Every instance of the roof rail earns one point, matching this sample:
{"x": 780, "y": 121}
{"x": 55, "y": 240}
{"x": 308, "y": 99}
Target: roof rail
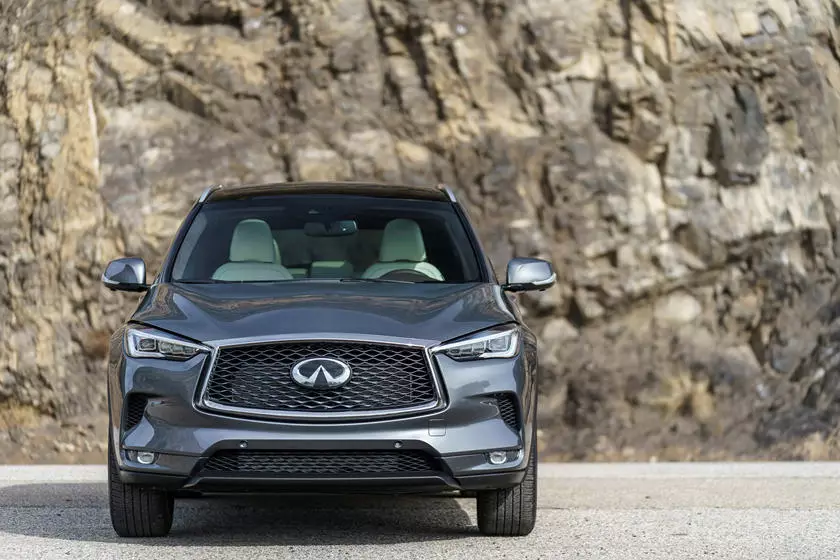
{"x": 208, "y": 191}
{"x": 445, "y": 188}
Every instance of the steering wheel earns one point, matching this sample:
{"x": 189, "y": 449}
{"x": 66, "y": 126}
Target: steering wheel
{"x": 407, "y": 275}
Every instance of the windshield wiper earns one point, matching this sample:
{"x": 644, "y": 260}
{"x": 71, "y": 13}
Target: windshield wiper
{"x": 212, "y": 281}
{"x": 375, "y": 280}
{"x": 380, "y": 280}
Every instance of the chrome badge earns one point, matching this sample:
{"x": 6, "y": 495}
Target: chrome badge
{"x": 321, "y": 373}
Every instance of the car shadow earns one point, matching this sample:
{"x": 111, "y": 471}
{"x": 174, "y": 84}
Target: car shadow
{"x": 79, "y": 512}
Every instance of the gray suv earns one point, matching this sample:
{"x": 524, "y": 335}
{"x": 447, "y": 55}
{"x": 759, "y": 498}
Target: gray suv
{"x": 323, "y": 337}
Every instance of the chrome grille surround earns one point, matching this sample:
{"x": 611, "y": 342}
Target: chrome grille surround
{"x": 203, "y": 401}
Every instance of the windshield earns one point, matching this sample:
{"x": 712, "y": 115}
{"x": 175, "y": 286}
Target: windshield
{"x": 343, "y": 238}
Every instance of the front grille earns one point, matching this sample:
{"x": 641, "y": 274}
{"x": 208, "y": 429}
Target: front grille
{"x": 258, "y": 377}
{"x": 508, "y": 409}
{"x": 319, "y": 462}
{"x": 135, "y": 407}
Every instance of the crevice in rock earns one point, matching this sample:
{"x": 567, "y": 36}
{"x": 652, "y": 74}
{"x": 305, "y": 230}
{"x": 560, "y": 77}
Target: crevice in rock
{"x": 288, "y": 13}
{"x": 190, "y": 13}
{"x": 627, "y": 14}
{"x": 452, "y": 60}
{"x": 516, "y": 45}
{"x": 407, "y": 33}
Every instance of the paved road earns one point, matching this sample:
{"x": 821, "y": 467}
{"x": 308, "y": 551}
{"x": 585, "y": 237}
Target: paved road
{"x": 603, "y": 511}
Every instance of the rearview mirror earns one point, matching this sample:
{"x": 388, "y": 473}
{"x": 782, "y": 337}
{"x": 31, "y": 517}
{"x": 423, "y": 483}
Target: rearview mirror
{"x": 126, "y": 275}
{"x": 330, "y": 229}
{"x": 525, "y": 274}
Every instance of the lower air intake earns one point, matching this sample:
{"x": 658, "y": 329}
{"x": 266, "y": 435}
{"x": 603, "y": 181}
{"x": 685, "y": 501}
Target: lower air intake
{"x": 320, "y": 462}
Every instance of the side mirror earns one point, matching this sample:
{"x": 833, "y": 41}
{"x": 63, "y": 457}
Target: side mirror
{"x": 126, "y": 275}
{"x": 524, "y": 275}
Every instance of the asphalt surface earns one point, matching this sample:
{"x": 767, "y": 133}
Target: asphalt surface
{"x": 600, "y": 511}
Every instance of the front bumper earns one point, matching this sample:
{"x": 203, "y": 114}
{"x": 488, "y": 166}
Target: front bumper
{"x": 458, "y": 437}
{"x": 368, "y": 484}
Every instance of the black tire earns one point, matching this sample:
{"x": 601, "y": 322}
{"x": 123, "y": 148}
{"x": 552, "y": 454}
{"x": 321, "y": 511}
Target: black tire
{"x": 510, "y": 512}
{"x": 137, "y": 511}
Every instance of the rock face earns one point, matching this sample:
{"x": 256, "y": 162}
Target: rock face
{"x": 677, "y": 160}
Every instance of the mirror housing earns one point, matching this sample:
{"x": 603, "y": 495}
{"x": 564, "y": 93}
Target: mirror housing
{"x": 126, "y": 275}
{"x": 525, "y": 274}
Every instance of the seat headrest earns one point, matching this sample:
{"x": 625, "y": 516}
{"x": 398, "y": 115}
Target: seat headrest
{"x": 252, "y": 241}
{"x": 402, "y": 241}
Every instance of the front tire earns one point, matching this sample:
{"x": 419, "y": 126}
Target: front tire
{"x": 510, "y": 512}
{"x": 137, "y": 511}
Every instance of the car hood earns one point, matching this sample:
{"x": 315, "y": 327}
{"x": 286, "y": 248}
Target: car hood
{"x": 423, "y": 313}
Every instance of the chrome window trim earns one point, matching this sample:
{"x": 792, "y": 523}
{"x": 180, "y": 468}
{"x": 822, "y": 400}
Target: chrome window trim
{"x": 449, "y": 192}
{"x": 202, "y": 403}
{"x": 207, "y": 192}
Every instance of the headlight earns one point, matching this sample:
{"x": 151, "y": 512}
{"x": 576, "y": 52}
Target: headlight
{"x": 149, "y": 343}
{"x": 496, "y": 343}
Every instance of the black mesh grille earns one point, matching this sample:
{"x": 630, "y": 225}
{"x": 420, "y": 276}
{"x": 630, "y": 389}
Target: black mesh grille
{"x": 135, "y": 406}
{"x": 319, "y": 462}
{"x": 259, "y": 377}
{"x": 508, "y": 409}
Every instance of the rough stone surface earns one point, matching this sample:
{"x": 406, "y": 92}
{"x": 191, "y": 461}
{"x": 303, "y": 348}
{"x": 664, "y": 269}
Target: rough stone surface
{"x": 677, "y": 161}
{"x": 677, "y": 308}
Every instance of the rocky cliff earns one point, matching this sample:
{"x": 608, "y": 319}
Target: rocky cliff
{"x": 676, "y": 159}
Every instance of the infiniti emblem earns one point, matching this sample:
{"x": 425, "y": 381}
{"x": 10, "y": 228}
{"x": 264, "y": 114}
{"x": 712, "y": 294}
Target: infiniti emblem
{"x": 321, "y": 373}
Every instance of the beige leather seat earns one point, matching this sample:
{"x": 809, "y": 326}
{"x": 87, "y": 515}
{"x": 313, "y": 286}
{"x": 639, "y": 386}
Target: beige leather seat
{"x": 252, "y": 255}
{"x": 402, "y": 248}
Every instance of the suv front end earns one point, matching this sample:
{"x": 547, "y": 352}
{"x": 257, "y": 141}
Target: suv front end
{"x": 341, "y": 384}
